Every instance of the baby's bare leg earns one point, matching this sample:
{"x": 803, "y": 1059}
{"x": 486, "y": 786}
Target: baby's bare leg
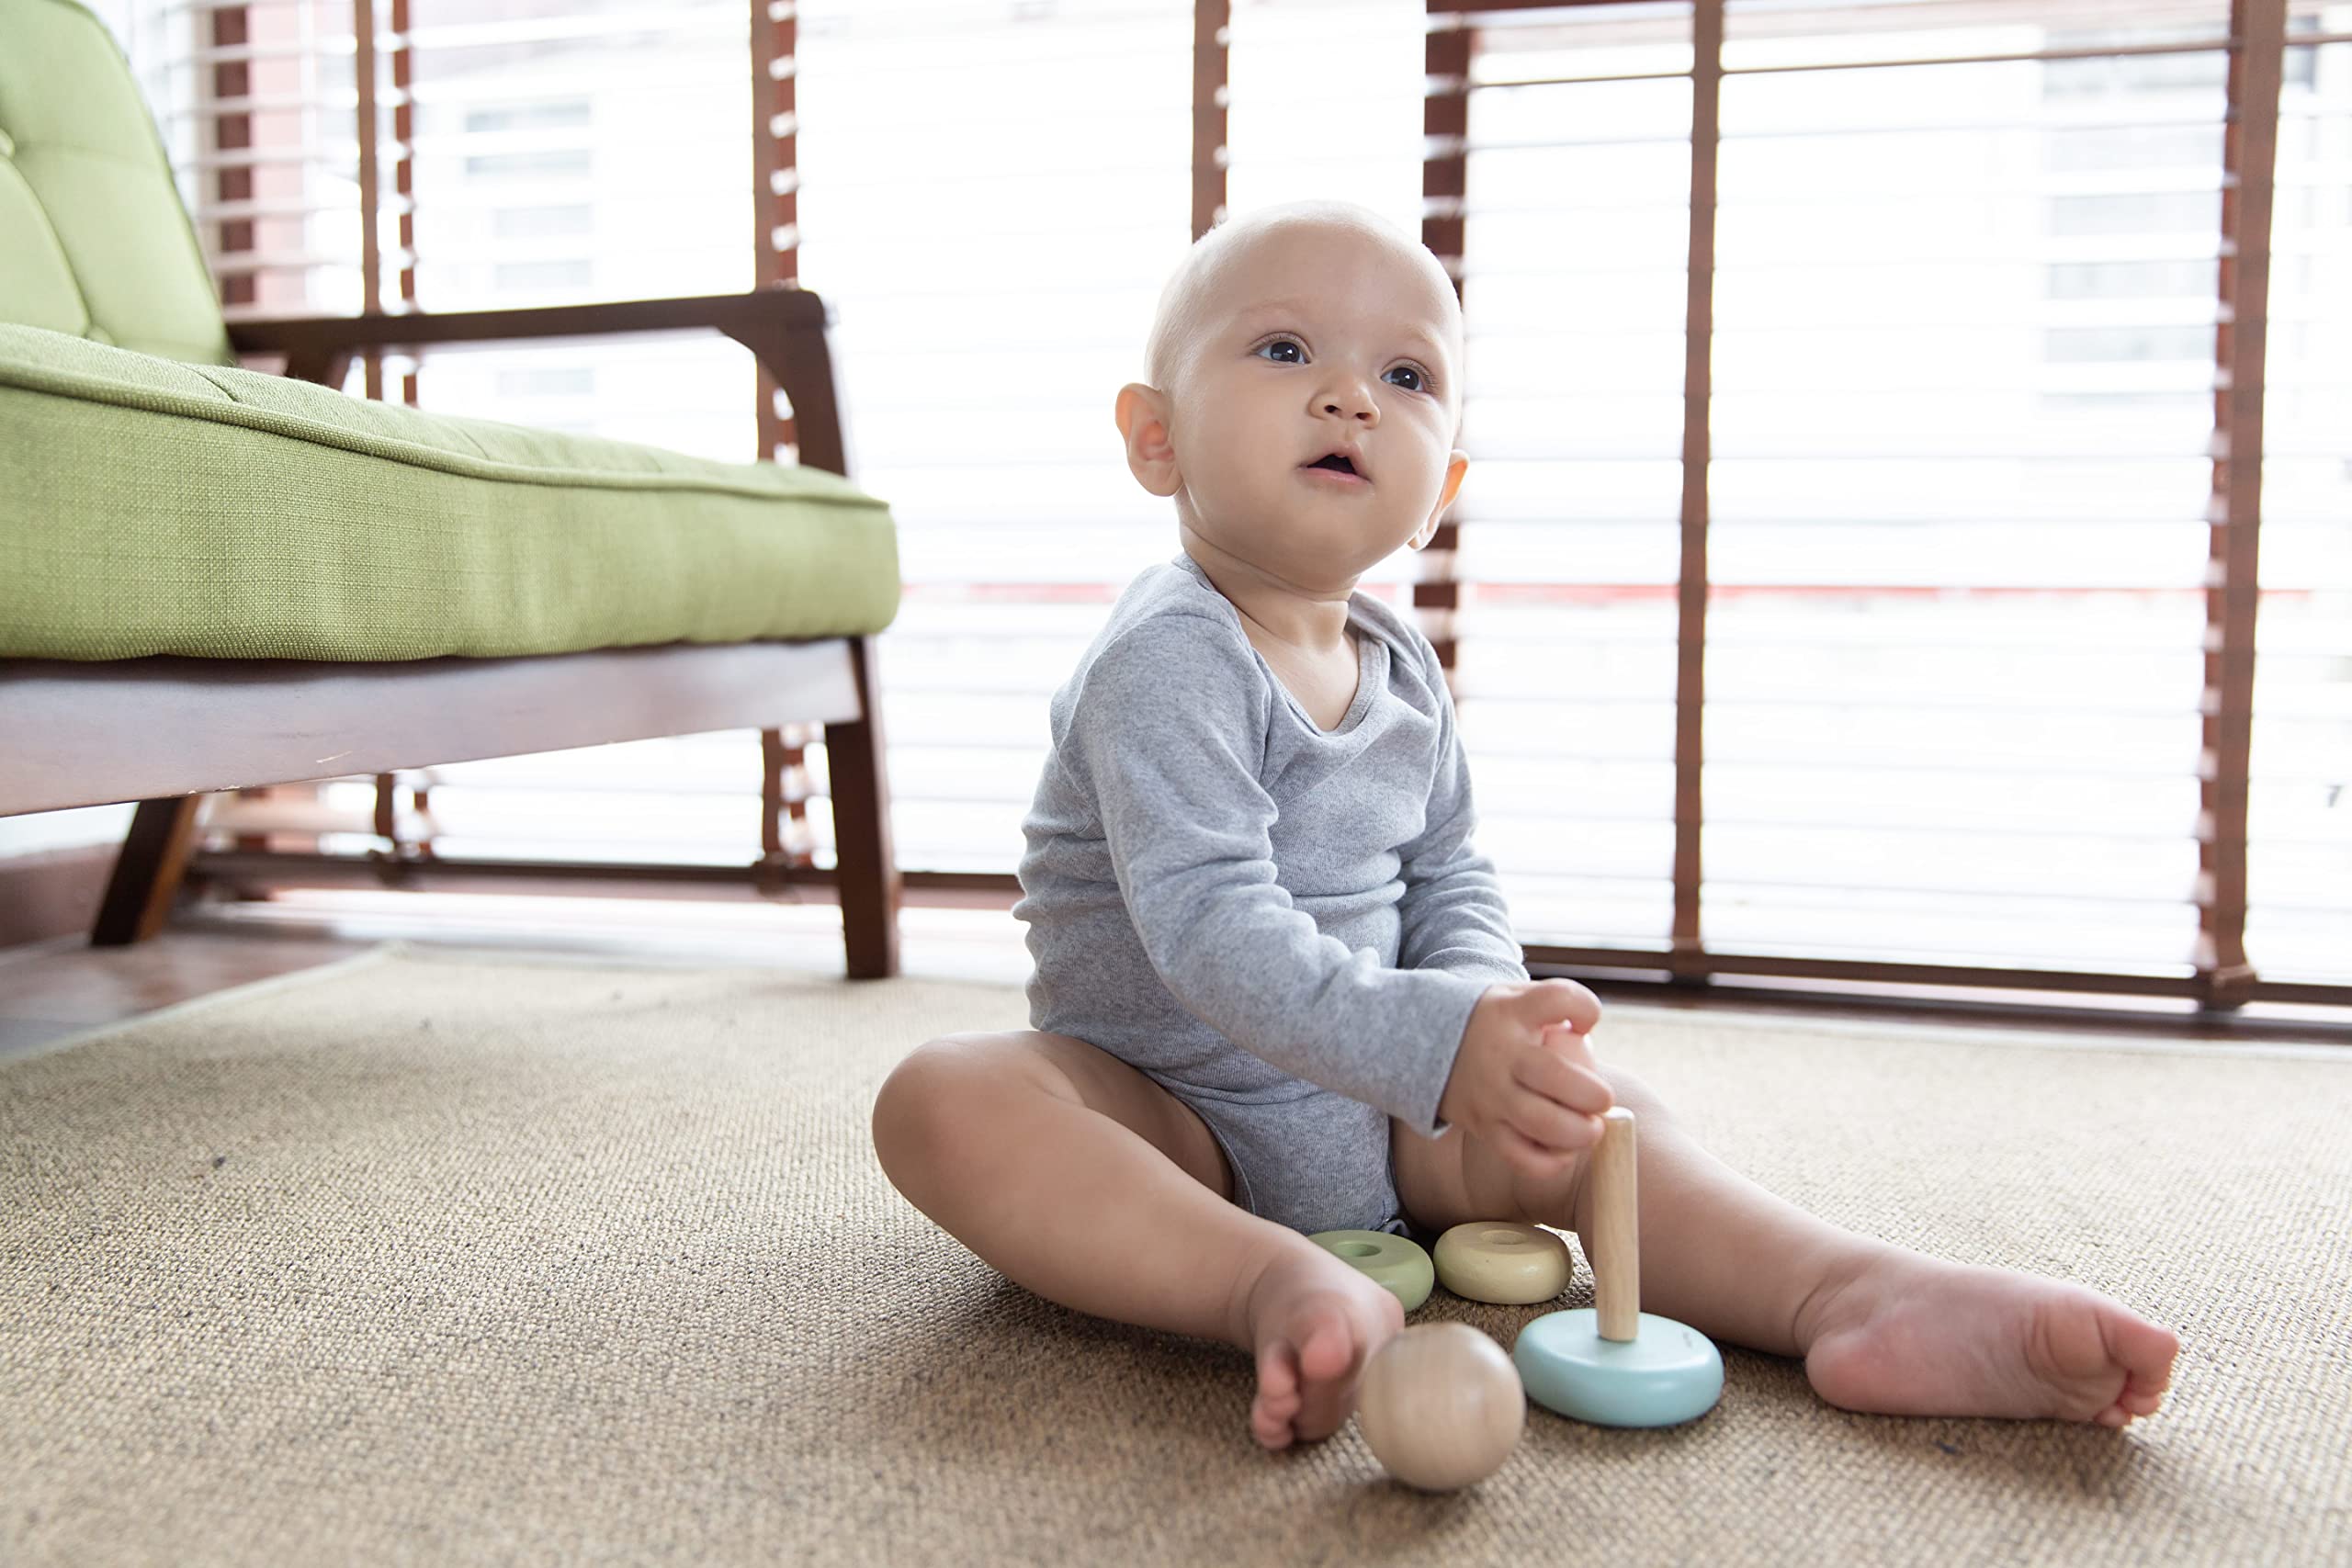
{"x": 1077, "y": 1177}
{"x": 1882, "y": 1328}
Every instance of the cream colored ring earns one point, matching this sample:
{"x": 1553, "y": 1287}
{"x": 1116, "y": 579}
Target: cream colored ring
{"x": 1502, "y": 1261}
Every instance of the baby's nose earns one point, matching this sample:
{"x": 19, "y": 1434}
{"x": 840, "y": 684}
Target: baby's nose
{"x": 1364, "y": 409}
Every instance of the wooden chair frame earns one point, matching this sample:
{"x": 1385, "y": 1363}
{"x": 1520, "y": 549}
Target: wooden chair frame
{"x": 167, "y": 731}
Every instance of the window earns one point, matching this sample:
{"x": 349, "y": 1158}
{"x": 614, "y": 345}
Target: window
{"x": 1956, "y": 411}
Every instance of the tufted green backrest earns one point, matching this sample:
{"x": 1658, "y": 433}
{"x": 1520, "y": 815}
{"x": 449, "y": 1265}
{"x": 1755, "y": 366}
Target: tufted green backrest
{"x": 92, "y": 239}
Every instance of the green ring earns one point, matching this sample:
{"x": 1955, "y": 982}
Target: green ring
{"x": 1395, "y": 1263}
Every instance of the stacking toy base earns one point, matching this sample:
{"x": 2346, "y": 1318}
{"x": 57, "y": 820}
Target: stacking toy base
{"x": 1667, "y": 1374}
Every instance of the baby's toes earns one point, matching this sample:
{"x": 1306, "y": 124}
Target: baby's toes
{"x": 1277, "y": 1372}
{"x": 1276, "y": 1406}
{"x": 1272, "y": 1430}
{"x": 1326, "y": 1365}
{"x": 2145, "y": 1352}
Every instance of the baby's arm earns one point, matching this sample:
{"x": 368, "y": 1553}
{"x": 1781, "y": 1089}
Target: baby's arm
{"x": 1167, "y": 735}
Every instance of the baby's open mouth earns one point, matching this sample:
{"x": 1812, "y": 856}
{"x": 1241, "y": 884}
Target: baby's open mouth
{"x": 1336, "y": 462}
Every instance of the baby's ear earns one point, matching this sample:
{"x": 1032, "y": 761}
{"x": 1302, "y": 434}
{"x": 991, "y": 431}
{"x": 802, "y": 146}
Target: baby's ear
{"x": 1142, "y": 414}
{"x": 1457, "y": 464}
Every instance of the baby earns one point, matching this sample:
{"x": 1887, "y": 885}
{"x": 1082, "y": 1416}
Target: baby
{"x": 1276, "y": 989}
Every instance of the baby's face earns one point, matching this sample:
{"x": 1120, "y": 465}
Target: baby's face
{"x": 1310, "y": 340}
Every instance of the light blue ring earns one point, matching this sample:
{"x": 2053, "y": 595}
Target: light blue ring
{"x": 1668, "y": 1373}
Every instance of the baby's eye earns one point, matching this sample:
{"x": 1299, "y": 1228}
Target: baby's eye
{"x": 1418, "y": 382}
{"x": 1271, "y": 345}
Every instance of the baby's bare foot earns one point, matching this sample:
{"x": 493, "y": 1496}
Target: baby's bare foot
{"x": 1911, "y": 1335}
{"x": 1314, "y": 1321}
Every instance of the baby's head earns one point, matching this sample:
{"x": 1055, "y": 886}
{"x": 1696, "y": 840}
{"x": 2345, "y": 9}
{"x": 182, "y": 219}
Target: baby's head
{"x": 1288, "y": 335}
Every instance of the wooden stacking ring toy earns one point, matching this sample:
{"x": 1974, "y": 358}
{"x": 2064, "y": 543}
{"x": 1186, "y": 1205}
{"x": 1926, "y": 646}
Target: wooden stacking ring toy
{"x": 1612, "y": 1364}
{"x": 1501, "y": 1261}
{"x": 1395, "y": 1263}
{"x": 1441, "y": 1406}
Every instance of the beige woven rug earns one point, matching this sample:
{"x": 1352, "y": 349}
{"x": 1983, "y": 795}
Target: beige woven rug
{"x": 428, "y": 1258}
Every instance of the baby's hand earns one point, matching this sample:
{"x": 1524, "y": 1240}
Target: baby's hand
{"x": 1524, "y": 1080}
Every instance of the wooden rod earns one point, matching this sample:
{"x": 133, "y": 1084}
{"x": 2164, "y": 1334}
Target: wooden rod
{"x": 404, "y": 173}
{"x": 2250, "y": 145}
{"x": 775, "y": 195}
{"x": 1445, "y": 134}
{"x": 371, "y": 256}
{"x": 1616, "y": 1229}
{"x": 1698, "y": 447}
{"x": 232, "y": 83}
{"x": 1212, "y": 37}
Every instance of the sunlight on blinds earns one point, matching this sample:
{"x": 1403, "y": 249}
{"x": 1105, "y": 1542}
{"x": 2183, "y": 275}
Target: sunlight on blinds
{"x": 1963, "y": 408}
{"x": 258, "y": 108}
{"x": 2299, "y": 871}
{"x": 1326, "y": 106}
{"x": 1964, "y": 360}
{"x": 1576, "y": 242}
{"x": 568, "y": 151}
{"x": 990, "y": 196}
{"x": 561, "y": 151}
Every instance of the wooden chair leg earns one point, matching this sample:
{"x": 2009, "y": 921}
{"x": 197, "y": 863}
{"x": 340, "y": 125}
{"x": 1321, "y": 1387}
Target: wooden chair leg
{"x": 869, "y": 869}
{"x": 147, "y": 871}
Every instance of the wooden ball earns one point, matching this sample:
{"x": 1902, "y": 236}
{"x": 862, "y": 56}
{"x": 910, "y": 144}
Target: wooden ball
{"x": 1441, "y": 1406}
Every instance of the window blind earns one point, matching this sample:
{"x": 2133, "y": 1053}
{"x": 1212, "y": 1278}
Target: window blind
{"x": 1931, "y": 518}
{"x": 1573, "y": 234}
{"x": 1956, "y": 663}
{"x": 565, "y": 151}
{"x": 568, "y": 151}
{"x": 991, "y": 289}
{"x": 1324, "y": 103}
{"x": 1956, "y": 410}
{"x": 990, "y": 196}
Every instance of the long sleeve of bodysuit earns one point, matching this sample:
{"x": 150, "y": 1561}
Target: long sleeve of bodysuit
{"x": 1167, "y": 736}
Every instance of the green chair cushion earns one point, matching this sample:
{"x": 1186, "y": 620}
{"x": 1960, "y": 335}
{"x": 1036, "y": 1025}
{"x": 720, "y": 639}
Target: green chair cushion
{"x": 148, "y": 506}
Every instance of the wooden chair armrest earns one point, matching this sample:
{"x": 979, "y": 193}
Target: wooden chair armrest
{"x": 783, "y": 328}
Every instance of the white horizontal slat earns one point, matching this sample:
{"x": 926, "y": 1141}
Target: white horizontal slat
{"x": 291, "y": 813}
{"x": 342, "y": 104}
{"x": 1987, "y": 801}
{"x": 1825, "y": 729}
{"x": 2312, "y": 553}
{"x": 600, "y": 815}
{"x": 1842, "y": 23}
{"x": 1841, "y": 858}
{"x": 1538, "y": 846}
{"x": 1903, "y": 552}
{"x": 1932, "y": 934}
{"x": 707, "y": 22}
{"x": 1591, "y": 911}
{"x": 2304, "y": 875}
{"x": 591, "y": 842}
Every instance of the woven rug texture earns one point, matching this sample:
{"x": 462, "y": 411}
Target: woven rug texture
{"x": 438, "y": 1258}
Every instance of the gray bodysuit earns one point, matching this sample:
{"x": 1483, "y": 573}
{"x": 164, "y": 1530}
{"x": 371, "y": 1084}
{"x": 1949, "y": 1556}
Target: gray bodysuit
{"x": 1284, "y": 926}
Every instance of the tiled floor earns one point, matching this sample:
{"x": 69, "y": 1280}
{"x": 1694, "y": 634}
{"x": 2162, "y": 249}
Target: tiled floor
{"x": 53, "y": 991}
